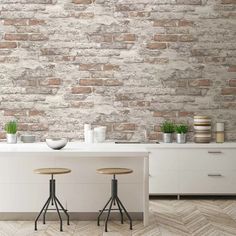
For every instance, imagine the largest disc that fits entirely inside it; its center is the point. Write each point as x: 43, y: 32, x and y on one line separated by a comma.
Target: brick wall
x: 125, y: 64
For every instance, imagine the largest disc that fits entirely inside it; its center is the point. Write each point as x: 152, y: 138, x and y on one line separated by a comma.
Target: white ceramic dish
x: 26, y: 138
x: 56, y: 144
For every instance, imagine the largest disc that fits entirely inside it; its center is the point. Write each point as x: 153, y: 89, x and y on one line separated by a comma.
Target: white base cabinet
x: 192, y: 169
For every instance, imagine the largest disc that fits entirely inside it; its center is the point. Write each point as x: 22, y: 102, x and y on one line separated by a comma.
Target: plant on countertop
x: 181, y: 129
x: 168, y: 127
x: 11, y: 127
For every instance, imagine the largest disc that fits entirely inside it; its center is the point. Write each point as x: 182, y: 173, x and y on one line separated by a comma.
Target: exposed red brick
x: 185, y: 114
x: 85, y: 105
x: 189, y: 2
x: 86, y: 67
x: 154, y: 60
x: 200, y: 82
x: 82, y: 1
x: 81, y: 90
x: 54, y: 81
x: 37, y: 37
x: 125, y: 37
x: 154, y: 136
x: 139, y: 14
x: 16, y: 37
x: 22, y: 127
x: 228, y: 91
x: 165, y: 23
x: 232, y: 68
x: 124, y: 127
x: 157, y: 128
x: 166, y: 37
x: 36, y: 22
x: 164, y: 114
x: 112, y: 82
x: 91, y: 82
x: 186, y: 38
x: 8, y: 45
x: 37, y: 127
x: 110, y: 67
x: 185, y: 22
x: 232, y: 83
x: 154, y: 46
x: 2, y: 135
x: 15, y: 112
x: 16, y: 22
x: 228, y: 1
x: 36, y: 113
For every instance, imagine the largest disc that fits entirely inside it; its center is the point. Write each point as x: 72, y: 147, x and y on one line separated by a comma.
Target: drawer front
x: 207, y: 182
x: 163, y: 159
x: 165, y: 182
x: 207, y: 159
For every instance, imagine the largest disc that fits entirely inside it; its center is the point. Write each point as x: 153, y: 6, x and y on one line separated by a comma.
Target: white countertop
x: 80, y: 147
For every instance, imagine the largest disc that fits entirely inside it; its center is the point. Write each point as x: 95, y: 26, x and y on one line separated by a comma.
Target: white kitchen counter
x: 83, y: 191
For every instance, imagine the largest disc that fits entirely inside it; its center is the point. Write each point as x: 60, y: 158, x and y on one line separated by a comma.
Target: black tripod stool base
x: 53, y: 201
x: 114, y: 201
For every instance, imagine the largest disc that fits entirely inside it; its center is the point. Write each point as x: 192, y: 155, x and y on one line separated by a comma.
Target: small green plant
x: 181, y: 129
x: 168, y: 127
x: 11, y: 127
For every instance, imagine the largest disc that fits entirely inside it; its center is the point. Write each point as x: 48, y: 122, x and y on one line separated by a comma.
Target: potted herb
x: 181, y: 131
x: 11, y: 129
x: 168, y: 128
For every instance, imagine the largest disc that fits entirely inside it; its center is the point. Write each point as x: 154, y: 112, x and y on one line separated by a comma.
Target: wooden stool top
x: 114, y: 171
x: 52, y: 171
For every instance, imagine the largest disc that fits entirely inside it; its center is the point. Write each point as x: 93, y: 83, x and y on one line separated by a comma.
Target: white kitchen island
x: 83, y: 191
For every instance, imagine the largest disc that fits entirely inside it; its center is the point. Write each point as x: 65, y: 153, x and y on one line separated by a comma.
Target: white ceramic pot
x: 11, y: 138
x: 181, y: 138
x: 100, y: 134
x: 167, y: 137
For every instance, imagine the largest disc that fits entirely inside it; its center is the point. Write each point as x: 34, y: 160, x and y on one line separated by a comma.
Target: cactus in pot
x: 11, y: 129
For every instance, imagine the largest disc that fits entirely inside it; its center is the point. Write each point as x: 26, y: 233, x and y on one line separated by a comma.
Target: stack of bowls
x: 202, y: 128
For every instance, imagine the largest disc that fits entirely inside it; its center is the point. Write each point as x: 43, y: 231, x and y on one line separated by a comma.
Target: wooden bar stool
x: 52, y: 194
x: 114, y: 199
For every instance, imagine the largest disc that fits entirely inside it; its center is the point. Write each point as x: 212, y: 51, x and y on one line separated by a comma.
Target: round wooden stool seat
x: 114, y: 171
x: 52, y: 171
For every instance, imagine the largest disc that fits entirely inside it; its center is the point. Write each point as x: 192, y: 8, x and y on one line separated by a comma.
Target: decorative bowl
x: 56, y: 144
x: 27, y: 138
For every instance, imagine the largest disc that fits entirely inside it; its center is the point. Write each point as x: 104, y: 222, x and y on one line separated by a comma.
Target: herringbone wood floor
x: 167, y: 218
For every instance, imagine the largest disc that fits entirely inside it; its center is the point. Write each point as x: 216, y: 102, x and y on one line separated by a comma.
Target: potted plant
x: 11, y: 129
x: 168, y: 128
x: 181, y: 131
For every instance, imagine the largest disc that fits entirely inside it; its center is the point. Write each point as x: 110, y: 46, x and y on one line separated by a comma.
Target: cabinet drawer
x: 165, y: 182
x: 207, y: 182
x: 208, y: 159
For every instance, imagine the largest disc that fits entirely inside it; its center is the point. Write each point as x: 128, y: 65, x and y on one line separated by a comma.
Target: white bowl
x: 56, y: 144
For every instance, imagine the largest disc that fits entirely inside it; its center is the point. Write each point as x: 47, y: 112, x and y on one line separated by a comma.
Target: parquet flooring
x: 167, y: 218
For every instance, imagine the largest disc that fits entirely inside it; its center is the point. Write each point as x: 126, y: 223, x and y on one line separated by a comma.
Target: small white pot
x: 181, y: 138
x: 167, y: 137
x: 11, y: 138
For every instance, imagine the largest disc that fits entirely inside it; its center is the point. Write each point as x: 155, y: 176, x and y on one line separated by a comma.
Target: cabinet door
x: 163, y: 169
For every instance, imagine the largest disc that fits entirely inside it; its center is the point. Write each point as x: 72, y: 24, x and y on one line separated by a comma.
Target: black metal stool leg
x: 58, y: 212
x: 127, y: 214
x: 45, y: 211
x: 65, y: 211
x: 35, y: 223
x: 108, y: 214
x: 98, y: 219
x: 121, y: 213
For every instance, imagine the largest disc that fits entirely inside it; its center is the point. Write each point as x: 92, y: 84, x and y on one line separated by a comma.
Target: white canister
x: 87, y: 129
x: 220, y: 127
x: 89, y: 136
x: 100, y: 134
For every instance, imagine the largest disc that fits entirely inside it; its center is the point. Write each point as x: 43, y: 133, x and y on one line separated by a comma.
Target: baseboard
x: 82, y: 216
